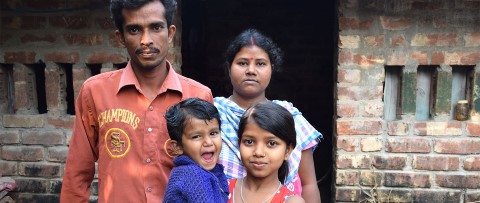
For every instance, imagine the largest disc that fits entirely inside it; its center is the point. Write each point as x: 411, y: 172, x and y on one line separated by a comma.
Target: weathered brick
x: 458, y: 181
x: 472, y: 39
x: 395, y: 23
x: 357, y: 93
x: 349, y: 75
x: 25, y: 89
x: 407, y: 180
x: 398, y: 41
x: 426, y: 5
x: 437, y: 58
x: 463, y: 146
x: 450, y: 128
x: 371, y: 144
x: 9, y: 137
x: 69, y: 22
x: 347, y: 144
x: 351, y: 23
x: 57, y: 154
x: 427, y: 196
x: 53, y: 4
x: 105, y: 23
x: 347, y: 194
x: 62, y: 57
x: 473, y: 128
x: 9, y: 168
x: 23, y: 153
x: 421, y: 57
x: 83, y: 39
x: 31, y: 185
x: 347, y: 178
x: 55, y: 86
x: 389, y: 162
x: 105, y: 57
x: 472, y: 163
x: 347, y: 109
x: 396, y: 59
x: 394, y: 195
x: 462, y: 58
x: 27, y: 57
x: 373, y: 109
x: 364, y: 61
x: 64, y: 122
x: 375, y: 41
x: 449, y: 39
x: 44, y: 137
x: 369, y: 178
x: 436, y: 163
x: 397, y: 128
x: 401, y: 145
x: 22, y: 121
x: 26, y: 197
x: 359, y: 127
x: 55, y: 186
x: 353, y: 161
x: 48, y: 170
x: 472, y: 196
x: 46, y: 38
x: 349, y: 41
x: 17, y: 22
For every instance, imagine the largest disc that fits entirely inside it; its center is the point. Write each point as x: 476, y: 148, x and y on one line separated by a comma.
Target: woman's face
x: 250, y: 72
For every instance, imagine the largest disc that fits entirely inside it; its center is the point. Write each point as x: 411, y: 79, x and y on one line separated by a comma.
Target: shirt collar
x: 171, y: 82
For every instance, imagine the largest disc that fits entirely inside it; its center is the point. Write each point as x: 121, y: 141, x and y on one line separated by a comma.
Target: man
x: 120, y: 119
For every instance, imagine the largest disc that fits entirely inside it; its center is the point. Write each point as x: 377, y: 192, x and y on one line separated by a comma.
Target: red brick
x: 369, y: 178
x: 104, y: 57
x: 48, y: 170
x: 455, y: 146
x: 347, y: 194
x: 426, y: 196
x: 18, y: 22
x: 395, y: 23
x: 9, y: 137
x: 347, y: 178
x: 347, y: 109
x: 349, y: 41
x: 371, y: 144
x: 407, y: 180
x: 69, y: 22
x: 360, y: 127
x: 389, y: 162
x: 375, y: 41
x: 438, y: 58
x: 358, y: 93
x: 434, y: 40
x: 348, y: 23
x: 57, y: 154
x: 472, y: 39
x: 397, y: 59
x: 398, y: 41
x: 393, y: 195
x: 450, y: 128
x: 44, y: 137
x: 62, y: 57
x: 397, y: 128
x: 9, y: 168
x: 347, y: 144
x: 23, y: 153
x: 22, y: 121
x: 473, y: 129
x: 373, y: 109
x: 472, y: 163
x: 353, y: 161
x: 349, y: 76
x: 83, y: 39
x: 63, y: 122
x: 458, y: 181
x: 421, y: 57
x: 27, y: 38
x: 27, y: 57
x: 402, y: 145
x: 436, y: 163
x: 462, y: 58
x: 105, y: 23
x: 470, y: 58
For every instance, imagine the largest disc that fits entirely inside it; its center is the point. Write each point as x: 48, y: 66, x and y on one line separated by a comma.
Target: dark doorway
x: 307, y: 33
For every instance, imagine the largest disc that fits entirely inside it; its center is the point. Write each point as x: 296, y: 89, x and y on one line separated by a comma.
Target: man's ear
x: 171, y: 33
x: 177, y: 148
x: 120, y: 37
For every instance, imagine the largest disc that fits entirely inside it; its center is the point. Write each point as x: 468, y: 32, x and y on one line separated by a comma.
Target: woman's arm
x: 306, y: 171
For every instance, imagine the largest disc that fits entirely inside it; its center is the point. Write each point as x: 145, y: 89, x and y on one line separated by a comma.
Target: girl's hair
x: 179, y: 114
x: 274, y: 119
x: 253, y: 37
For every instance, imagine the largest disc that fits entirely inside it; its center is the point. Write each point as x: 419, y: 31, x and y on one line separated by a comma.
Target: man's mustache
x: 150, y: 48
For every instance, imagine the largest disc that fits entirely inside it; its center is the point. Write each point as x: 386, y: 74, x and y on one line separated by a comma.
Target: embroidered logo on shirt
x: 117, y: 142
x: 119, y: 115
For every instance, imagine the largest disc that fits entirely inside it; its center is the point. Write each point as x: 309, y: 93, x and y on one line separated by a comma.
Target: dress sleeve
x: 82, y: 153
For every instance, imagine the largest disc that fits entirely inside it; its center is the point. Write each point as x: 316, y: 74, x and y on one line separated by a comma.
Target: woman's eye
x: 242, y: 63
x: 195, y: 136
x: 272, y: 143
x: 214, y: 133
x: 261, y: 64
x: 248, y: 142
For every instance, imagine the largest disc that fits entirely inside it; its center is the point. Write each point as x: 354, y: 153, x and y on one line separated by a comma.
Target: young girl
x: 266, y: 136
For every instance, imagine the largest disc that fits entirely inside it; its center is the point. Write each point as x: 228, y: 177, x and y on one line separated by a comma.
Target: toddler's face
x: 201, y: 141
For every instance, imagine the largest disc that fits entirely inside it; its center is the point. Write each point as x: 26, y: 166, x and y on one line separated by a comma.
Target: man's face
x: 146, y: 35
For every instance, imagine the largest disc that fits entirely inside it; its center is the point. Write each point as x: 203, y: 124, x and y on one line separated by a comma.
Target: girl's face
x: 262, y: 152
x: 250, y: 72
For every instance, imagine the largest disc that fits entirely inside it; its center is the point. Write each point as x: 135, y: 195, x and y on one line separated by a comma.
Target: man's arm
x: 306, y: 171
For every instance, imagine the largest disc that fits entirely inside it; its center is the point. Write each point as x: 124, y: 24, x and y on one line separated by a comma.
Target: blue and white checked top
x: 230, y: 114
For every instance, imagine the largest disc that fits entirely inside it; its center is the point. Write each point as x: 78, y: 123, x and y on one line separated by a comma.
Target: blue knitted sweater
x: 189, y: 182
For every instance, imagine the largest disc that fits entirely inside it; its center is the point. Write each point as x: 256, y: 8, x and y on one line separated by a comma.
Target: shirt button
x: 150, y: 108
x: 149, y: 189
x: 148, y: 160
x: 149, y: 130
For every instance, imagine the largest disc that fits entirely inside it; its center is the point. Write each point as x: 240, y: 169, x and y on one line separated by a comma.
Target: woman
x: 251, y: 59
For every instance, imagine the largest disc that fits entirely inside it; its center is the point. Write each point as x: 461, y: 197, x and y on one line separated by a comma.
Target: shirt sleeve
x: 82, y: 153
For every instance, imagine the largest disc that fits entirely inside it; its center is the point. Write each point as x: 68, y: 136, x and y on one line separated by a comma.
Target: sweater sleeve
x: 189, y: 184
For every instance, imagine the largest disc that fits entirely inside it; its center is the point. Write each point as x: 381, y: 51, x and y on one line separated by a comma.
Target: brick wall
x: 405, y: 159
x: 47, y: 51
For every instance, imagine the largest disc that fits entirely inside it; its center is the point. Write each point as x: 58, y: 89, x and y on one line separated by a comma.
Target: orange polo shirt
x: 125, y: 133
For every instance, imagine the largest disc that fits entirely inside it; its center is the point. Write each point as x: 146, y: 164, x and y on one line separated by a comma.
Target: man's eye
x: 157, y: 27
x: 133, y: 30
x: 214, y: 133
